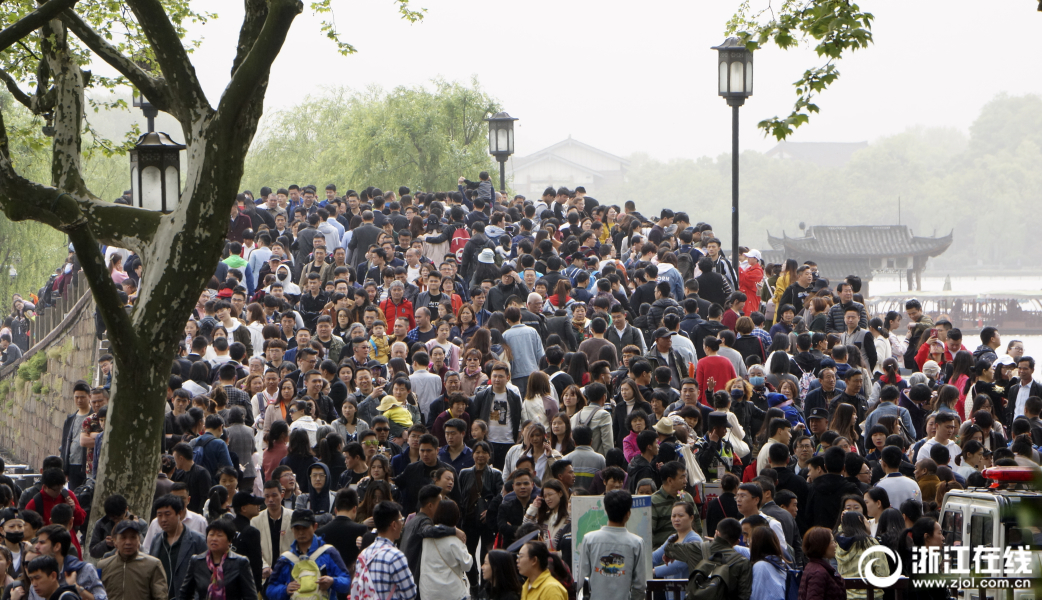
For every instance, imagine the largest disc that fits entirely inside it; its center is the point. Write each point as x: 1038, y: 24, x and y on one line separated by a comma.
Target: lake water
x: 968, y: 284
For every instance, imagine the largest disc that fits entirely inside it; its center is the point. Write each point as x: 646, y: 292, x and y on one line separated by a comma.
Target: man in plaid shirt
x: 236, y: 397
x: 382, y: 564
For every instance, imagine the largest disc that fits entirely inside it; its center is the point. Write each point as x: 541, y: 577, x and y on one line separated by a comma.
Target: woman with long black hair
x: 499, y: 577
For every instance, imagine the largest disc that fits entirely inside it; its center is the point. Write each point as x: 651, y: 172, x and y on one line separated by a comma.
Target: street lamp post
x: 736, y: 84
x: 501, y: 142
x: 155, y: 165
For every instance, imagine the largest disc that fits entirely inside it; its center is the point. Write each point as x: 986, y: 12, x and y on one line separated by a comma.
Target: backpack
x: 711, y: 578
x: 685, y: 265
x: 38, y: 499
x: 306, y: 572
x: 362, y: 587
x: 459, y: 240
x: 806, y: 380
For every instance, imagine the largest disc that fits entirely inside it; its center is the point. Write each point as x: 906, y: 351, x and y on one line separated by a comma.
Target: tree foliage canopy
x: 835, y: 26
x: 424, y: 137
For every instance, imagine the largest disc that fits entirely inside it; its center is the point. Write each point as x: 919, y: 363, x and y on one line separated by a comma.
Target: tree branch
x: 155, y: 89
x: 257, y: 63
x: 112, y: 224
x: 12, y: 86
x: 32, y: 21
x: 252, y: 23
x: 171, y: 55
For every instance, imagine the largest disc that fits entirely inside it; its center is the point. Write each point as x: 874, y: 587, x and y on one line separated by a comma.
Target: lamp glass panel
x: 502, y: 141
x: 135, y: 190
x: 723, y: 76
x: 749, y: 77
x: 491, y: 138
x: 737, y: 78
x: 510, y: 140
x: 173, y: 187
x: 152, y: 188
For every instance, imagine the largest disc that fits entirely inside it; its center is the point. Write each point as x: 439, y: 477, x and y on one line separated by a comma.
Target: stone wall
x: 36, y: 391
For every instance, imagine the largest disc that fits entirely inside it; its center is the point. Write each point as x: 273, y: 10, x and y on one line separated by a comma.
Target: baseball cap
x: 241, y: 499
x: 303, y: 518
x: 124, y: 525
x: 662, y: 332
x: 1005, y: 359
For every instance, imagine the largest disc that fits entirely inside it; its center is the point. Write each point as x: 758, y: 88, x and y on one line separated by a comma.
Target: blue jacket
x: 330, y: 563
x: 211, y: 453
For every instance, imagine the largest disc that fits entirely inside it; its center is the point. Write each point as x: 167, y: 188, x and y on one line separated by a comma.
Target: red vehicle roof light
x: 1010, y: 474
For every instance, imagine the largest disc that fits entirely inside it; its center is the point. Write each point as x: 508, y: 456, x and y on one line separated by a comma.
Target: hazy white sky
x: 628, y: 77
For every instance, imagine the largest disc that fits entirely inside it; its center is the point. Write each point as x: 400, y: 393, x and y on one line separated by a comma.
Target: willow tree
x: 44, y: 50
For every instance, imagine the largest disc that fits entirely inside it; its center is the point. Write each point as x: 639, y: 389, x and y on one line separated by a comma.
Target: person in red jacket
x: 950, y: 338
x: 750, y: 277
x: 714, y: 369
x: 52, y: 492
x: 397, y: 306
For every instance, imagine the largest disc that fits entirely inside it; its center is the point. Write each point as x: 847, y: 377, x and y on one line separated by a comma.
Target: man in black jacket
x: 511, y: 512
x: 478, y: 242
x: 691, y: 289
x: 362, y: 238
x: 72, y: 454
x: 834, y: 323
x: 708, y: 328
x: 798, y: 292
x: 342, y: 532
x: 824, y: 500
x: 194, y: 475
x: 640, y: 467
x: 787, y: 478
x: 711, y: 285
x: 501, y: 409
x: 248, y: 541
x: 645, y: 292
x: 421, y: 473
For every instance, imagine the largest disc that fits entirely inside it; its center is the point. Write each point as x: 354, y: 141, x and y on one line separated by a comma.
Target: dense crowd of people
x: 382, y: 393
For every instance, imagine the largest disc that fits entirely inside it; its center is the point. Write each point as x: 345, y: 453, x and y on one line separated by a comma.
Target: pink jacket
x: 629, y: 446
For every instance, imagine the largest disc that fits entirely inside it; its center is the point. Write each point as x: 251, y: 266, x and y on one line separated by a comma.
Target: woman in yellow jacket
x: 533, y: 560
x: 785, y: 278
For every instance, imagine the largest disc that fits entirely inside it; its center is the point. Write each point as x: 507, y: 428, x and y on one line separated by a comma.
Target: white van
x: 990, y: 517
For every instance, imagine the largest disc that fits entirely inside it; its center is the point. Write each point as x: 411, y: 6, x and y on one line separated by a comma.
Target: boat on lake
x: 1012, y: 312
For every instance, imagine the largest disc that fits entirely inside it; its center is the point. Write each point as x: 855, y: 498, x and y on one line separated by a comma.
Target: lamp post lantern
x: 735, y: 68
x: 155, y: 172
x: 501, y: 142
x: 155, y: 164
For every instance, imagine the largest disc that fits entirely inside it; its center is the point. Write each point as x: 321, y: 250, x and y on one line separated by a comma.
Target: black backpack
x: 711, y: 579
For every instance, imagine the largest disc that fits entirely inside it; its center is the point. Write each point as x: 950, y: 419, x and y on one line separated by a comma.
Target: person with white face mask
x: 284, y: 276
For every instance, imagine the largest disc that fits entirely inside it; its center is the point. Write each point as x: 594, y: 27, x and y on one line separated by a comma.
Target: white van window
x: 951, y: 526
x: 981, y: 530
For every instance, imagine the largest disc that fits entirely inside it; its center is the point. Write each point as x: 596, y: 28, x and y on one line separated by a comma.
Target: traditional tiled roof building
x: 863, y: 250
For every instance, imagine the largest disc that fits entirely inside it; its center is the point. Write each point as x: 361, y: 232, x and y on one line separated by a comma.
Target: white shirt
x: 1022, y: 397
x: 427, y: 387
x: 192, y: 521
x: 953, y: 451
x: 499, y: 428
x: 900, y: 488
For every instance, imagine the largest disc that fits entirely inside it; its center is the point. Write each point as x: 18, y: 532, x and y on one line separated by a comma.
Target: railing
x: 49, y: 318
